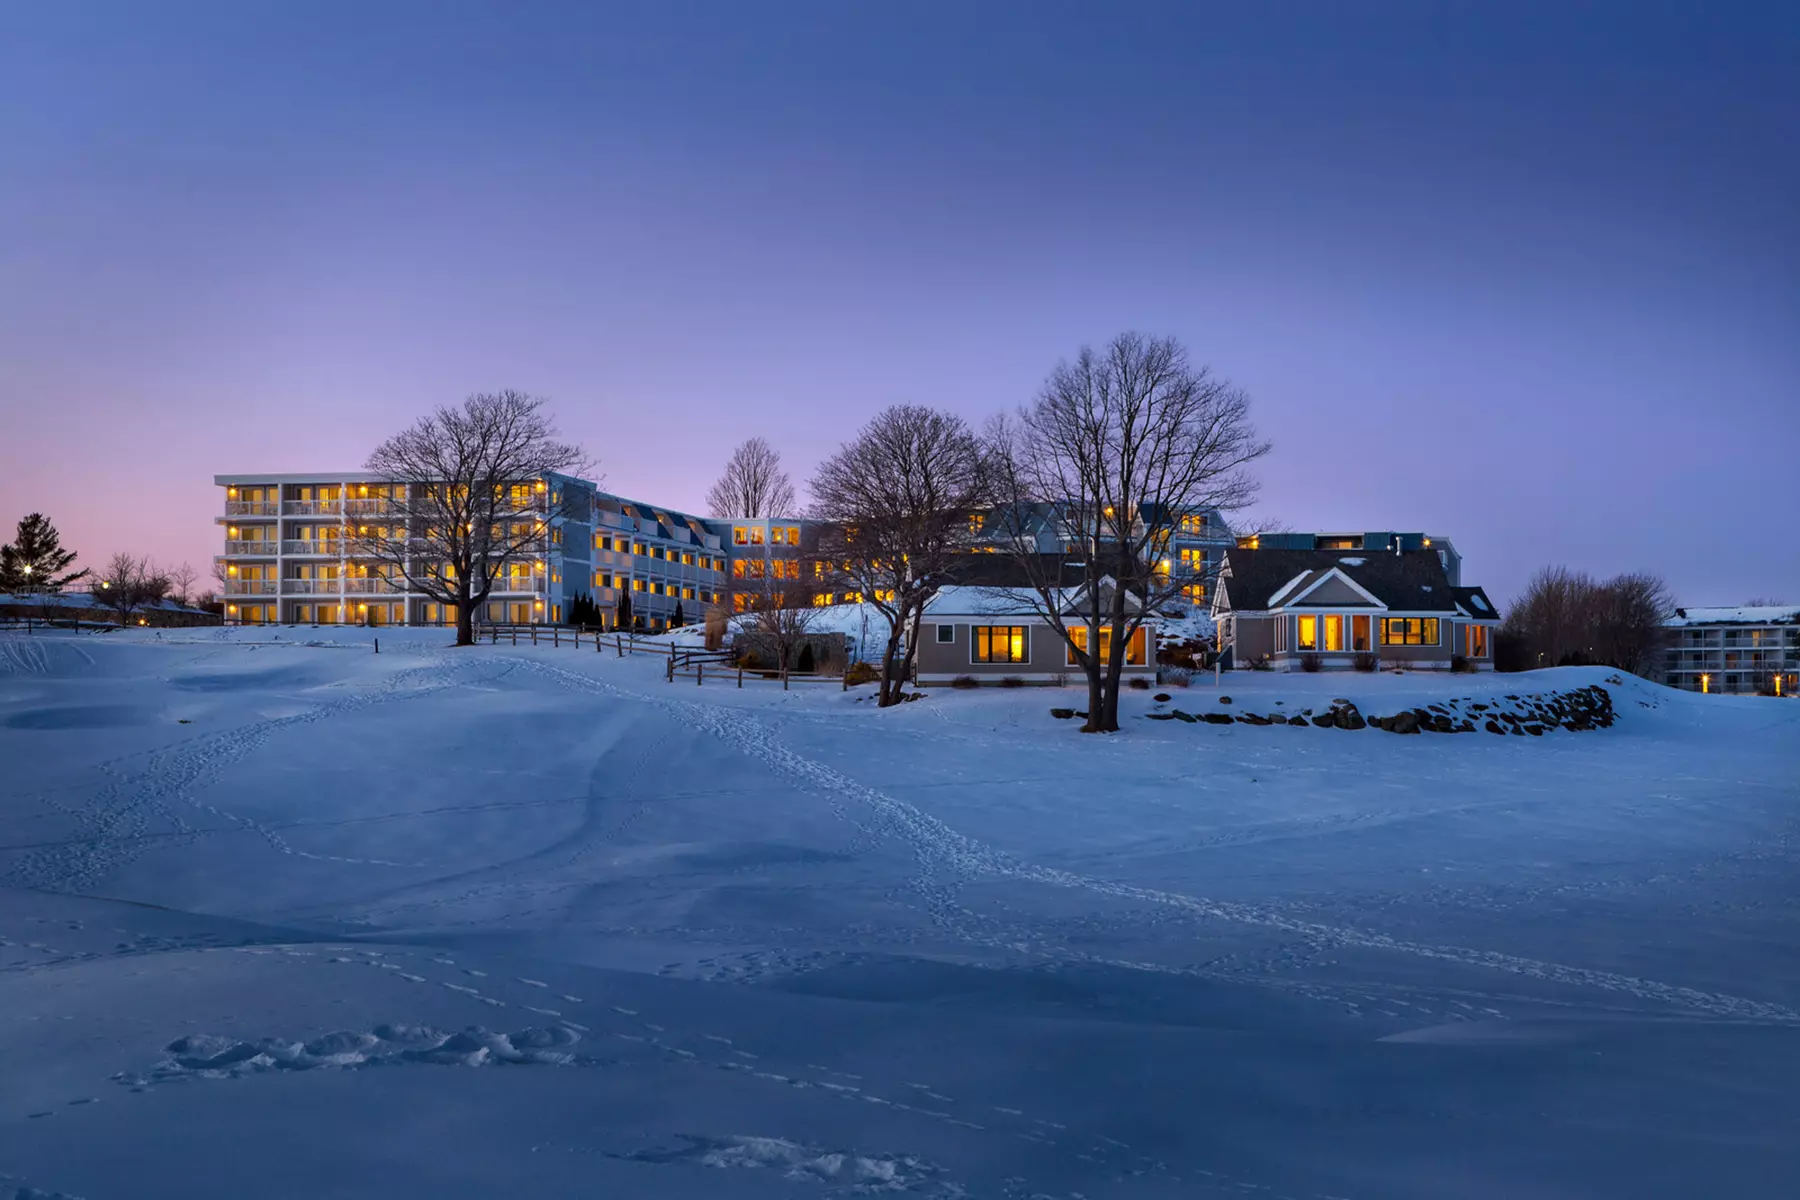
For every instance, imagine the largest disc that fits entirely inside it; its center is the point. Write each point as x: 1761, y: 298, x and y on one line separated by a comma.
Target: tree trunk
x: 465, y: 620
x: 890, y: 687
x: 1096, y: 706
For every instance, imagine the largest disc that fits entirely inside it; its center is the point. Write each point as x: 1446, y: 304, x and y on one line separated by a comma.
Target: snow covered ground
x: 302, y: 920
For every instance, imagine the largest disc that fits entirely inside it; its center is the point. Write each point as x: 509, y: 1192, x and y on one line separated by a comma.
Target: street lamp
x: 1705, y: 683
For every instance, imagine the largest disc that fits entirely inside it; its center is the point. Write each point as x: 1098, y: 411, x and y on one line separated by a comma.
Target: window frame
x: 943, y: 629
x: 1428, y: 633
x: 982, y: 642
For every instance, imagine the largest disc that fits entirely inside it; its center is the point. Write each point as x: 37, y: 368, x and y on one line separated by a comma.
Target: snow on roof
x: 1747, y: 614
x: 1281, y: 593
x: 966, y: 601
x: 1478, y: 604
x: 1352, y: 562
x: 82, y: 600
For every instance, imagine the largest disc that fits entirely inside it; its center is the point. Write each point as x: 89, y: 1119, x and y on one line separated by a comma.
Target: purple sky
x: 1528, y: 278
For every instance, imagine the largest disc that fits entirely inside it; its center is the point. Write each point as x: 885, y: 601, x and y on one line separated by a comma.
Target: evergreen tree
x: 35, y: 558
x: 622, y: 616
x: 677, y: 621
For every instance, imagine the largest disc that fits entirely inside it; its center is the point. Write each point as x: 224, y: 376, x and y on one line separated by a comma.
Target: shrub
x: 965, y: 681
x: 805, y: 664
x: 1459, y: 665
x: 1177, y: 676
x: 1366, y: 662
x: 1139, y: 683
x: 861, y: 673
x: 748, y: 660
x: 1162, y: 697
x: 1060, y: 679
x: 1261, y: 664
x: 1014, y: 681
x: 1310, y: 663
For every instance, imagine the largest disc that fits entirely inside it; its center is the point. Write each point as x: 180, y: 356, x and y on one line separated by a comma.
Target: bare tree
x: 471, y: 492
x: 1567, y: 618
x: 128, y: 584
x: 780, y: 611
x: 1117, y: 446
x: 1765, y: 602
x: 752, y: 484
x: 897, y: 499
x: 181, y: 582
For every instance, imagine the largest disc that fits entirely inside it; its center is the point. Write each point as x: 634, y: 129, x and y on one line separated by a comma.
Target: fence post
x: 555, y: 636
x: 670, y: 671
x: 699, y: 671
x: 619, y: 644
x: 515, y: 634
x: 740, y: 676
x: 784, y: 686
x: 599, y: 646
x: 378, y: 645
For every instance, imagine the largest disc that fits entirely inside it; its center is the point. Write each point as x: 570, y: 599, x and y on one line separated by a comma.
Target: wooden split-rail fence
x: 681, y: 663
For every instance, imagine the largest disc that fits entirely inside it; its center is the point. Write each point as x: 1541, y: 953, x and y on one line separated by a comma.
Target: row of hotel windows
x: 1335, y: 632
x: 1012, y: 643
x: 687, y: 558
x: 752, y: 535
x: 606, y: 579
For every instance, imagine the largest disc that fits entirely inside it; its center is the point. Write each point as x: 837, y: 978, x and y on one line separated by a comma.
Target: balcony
x: 310, y: 587
x: 369, y: 585
x: 515, y: 584
x: 325, y: 548
x: 259, y: 548
x: 374, y: 507
x: 250, y: 587
x: 252, y: 508
x: 312, y: 508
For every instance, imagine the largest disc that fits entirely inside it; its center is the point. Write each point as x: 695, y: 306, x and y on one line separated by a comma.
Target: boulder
x: 1218, y: 719
x: 1253, y: 719
x: 1326, y: 720
x: 1278, y: 718
x: 1182, y: 716
x: 1496, y: 727
x: 1224, y: 699
x: 1062, y: 714
x: 1403, y: 722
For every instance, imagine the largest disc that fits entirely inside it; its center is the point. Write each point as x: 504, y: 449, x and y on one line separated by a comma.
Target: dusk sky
x: 1528, y: 278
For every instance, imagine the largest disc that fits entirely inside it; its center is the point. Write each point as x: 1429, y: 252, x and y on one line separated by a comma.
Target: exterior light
x: 231, y: 492
x: 231, y: 531
x: 362, y: 608
x: 142, y: 621
x: 231, y: 608
x: 1705, y: 683
x: 1428, y: 541
x: 541, y: 485
x: 28, y: 568
x: 231, y: 570
x: 365, y: 489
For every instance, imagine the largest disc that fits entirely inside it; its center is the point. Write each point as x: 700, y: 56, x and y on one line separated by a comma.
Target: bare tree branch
x: 752, y: 485
x: 1102, y: 466
x: 467, y: 493
x: 897, y: 499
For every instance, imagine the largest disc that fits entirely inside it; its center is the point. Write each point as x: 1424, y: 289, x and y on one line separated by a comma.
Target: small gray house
x: 1400, y: 606
x: 989, y: 634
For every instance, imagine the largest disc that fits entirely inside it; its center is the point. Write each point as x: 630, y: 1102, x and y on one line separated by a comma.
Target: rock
x: 1253, y: 719
x: 1218, y: 719
x: 1062, y: 714
x: 1224, y: 699
x: 1159, y: 716
x: 1403, y: 722
x: 1496, y: 727
x: 1326, y: 720
x: 1162, y: 697
x: 1182, y: 716
x: 1535, y: 730
x: 1278, y: 718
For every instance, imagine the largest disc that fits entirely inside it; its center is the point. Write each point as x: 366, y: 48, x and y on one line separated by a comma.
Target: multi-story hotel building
x: 1734, y: 650
x: 291, y: 555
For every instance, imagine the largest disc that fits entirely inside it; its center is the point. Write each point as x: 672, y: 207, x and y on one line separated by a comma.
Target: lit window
x: 1409, y: 631
x: 1134, y: 649
x: 793, y: 535
x: 996, y: 643
x: 687, y: 593
x: 1478, y: 641
x: 687, y: 560
x: 1334, y: 632
x: 778, y: 535
x: 740, y: 535
x: 756, y: 535
x: 1309, y: 633
x: 1359, y: 633
x: 739, y: 568
x: 1194, y: 593
x: 637, y: 585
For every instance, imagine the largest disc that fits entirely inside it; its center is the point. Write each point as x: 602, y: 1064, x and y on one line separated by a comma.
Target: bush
x: 1162, y: 697
x: 1138, y: 683
x: 1311, y: 663
x: 1177, y: 676
x: 1367, y: 663
x: 749, y: 661
x: 805, y: 664
x: 965, y: 682
x: 861, y: 673
x: 1459, y: 665
x: 1261, y: 664
x: 1014, y: 681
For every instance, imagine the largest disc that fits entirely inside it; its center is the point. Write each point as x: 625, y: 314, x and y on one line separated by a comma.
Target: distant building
x: 1745, y: 650
x: 1399, y: 607
x: 1387, y: 540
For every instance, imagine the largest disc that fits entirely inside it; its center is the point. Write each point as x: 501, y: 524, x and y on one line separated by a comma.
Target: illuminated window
x: 740, y: 535
x: 1194, y: 594
x: 1193, y: 523
x: 1477, y: 641
x: 738, y: 568
x: 637, y: 585
x: 740, y: 602
x: 1334, y: 632
x: 793, y: 535
x: 756, y: 535
x: 1409, y: 631
x: 1192, y: 560
x: 1134, y: 650
x: 637, y: 547
x: 687, y: 593
x: 1308, y: 637
x: 687, y: 559
x: 997, y: 643
x: 778, y: 535
x: 1359, y: 633
x: 1341, y: 543
x: 976, y: 522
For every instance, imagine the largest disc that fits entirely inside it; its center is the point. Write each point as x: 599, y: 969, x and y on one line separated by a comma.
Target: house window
x: 1334, y: 632
x: 1134, y: 650
x: 740, y: 536
x: 687, y: 560
x: 756, y: 535
x: 1308, y: 633
x: 946, y: 634
x: 1192, y: 560
x: 687, y: 593
x: 1409, y: 631
x: 739, y: 568
x: 1359, y: 634
x: 778, y: 535
x: 1477, y: 641
x: 997, y: 643
x: 793, y: 535
x: 1194, y: 594
x: 637, y: 547
x: 637, y: 585
x: 1193, y: 523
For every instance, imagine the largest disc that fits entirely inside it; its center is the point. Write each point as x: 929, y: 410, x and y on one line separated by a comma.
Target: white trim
x: 946, y: 627
x: 1275, y: 600
x: 1009, y: 662
x: 1356, y: 587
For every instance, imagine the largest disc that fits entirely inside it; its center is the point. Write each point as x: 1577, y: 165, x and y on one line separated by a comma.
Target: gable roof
x: 1475, y: 602
x: 1411, y: 581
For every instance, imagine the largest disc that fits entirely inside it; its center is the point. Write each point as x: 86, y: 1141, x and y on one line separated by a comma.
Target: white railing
x: 310, y: 587
x: 324, y: 546
x: 250, y: 587
x: 252, y: 508
x: 312, y: 508
x: 370, y: 585
x: 519, y: 583
x: 374, y: 507
x: 260, y: 547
